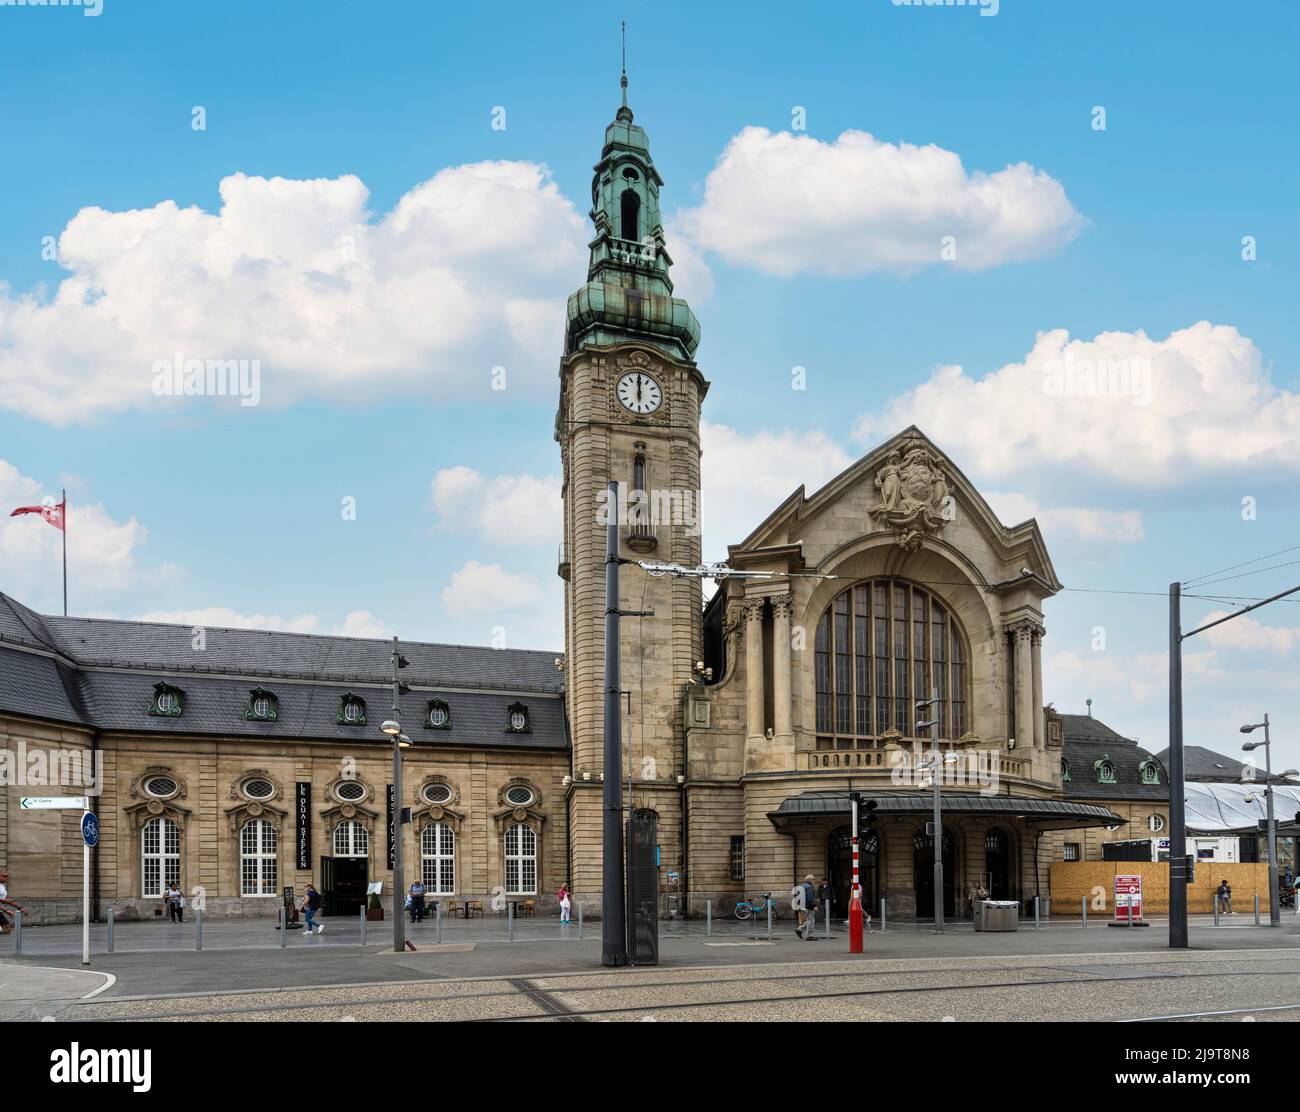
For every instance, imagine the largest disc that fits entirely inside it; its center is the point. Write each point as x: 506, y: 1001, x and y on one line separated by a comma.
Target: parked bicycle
x: 756, y: 908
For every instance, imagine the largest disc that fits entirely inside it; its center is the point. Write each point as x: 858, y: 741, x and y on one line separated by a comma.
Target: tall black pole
x: 63, y: 522
x: 1177, y: 803
x: 399, y: 880
x: 613, y: 930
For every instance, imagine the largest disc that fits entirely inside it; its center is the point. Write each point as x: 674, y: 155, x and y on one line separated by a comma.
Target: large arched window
x: 351, y: 839
x: 882, y: 646
x: 521, y: 860
x: 160, y: 856
x: 438, y: 858
x: 257, y: 858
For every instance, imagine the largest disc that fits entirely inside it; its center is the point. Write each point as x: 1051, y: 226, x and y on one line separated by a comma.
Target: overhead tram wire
x: 1243, y: 574
x: 1197, y: 581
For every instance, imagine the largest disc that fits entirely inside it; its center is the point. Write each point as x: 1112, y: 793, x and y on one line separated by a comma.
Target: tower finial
x: 623, y: 80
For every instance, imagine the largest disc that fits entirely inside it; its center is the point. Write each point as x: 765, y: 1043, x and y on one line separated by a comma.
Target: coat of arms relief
x: 914, y: 495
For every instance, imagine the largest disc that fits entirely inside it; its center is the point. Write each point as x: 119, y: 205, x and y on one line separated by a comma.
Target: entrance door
x: 343, y: 884
x: 997, y: 864
x: 923, y: 874
x: 839, y: 868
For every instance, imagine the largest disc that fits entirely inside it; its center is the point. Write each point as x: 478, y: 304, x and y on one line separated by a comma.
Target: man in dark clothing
x: 826, y: 896
x: 311, y: 904
x: 1224, y: 896
x: 810, y: 907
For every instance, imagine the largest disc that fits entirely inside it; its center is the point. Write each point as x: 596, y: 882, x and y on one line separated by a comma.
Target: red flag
x: 52, y: 513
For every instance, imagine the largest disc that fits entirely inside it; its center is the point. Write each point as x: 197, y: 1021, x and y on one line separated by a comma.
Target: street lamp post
x: 393, y: 728
x: 1274, y: 907
x: 935, y: 768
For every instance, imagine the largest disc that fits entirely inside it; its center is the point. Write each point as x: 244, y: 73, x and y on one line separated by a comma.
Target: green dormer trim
x: 1149, y: 772
x: 1105, y: 769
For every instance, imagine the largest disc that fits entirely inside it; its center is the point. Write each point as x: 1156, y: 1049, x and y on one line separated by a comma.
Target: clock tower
x: 629, y: 411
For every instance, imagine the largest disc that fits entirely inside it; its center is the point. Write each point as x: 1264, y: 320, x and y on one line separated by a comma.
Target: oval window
x: 437, y: 793
x: 166, y: 702
x: 438, y: 716
x: 162, y: 787
x: 262, y: 706
x: 352, y: 712
x: 518, y: 720
x: 349, y: 791
x: 259, y: 789
x: 519, y: 797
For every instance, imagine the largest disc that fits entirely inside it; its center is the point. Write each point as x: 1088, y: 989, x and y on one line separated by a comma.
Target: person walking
x: 417, y: 900
x: 175, y: 903
x: 311, y: 905
x: 6, y: 926
x: 1224, y: 896
x: 803, y: 898
x: 826, y: 896
x: 565, y: 905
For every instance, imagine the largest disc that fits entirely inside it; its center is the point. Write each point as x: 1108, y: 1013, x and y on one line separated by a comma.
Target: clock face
x: 639, y: 393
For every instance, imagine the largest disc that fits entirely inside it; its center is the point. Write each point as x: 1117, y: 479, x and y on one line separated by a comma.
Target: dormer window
x: 168, y: 701
x: 439, y: 716
x: 352, y: 710
x: 1065, y: 772
x: 1105, y: 771
x: 517, y: 719
x: 262, y: 706
x: 1149, y: 772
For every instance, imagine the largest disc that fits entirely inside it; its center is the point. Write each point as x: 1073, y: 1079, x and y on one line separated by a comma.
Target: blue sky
x: 188, y: 505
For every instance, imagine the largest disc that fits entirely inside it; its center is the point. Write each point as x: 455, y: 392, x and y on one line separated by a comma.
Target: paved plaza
x: 546, y: 972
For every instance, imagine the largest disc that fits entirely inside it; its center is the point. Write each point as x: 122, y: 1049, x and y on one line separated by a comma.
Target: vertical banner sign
x: 1128, y: 899
x: 304, y: 824
x: 390, y: 825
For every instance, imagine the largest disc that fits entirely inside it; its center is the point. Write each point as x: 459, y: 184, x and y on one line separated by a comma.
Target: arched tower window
x: 880, y: 647
x: 631, y: 215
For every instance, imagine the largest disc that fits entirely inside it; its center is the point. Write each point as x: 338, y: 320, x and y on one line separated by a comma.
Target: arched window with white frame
x: 438, y: 859
x: 160, y: 856
x: 351, y: 839
x: 258, y: 860
x: 521, y: 860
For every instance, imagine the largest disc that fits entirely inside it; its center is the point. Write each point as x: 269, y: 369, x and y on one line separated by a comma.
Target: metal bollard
x: 1036, y: 922
x: 110, y: 930
x: 362, y: 913
x: 284, y: 929
x: 579, y: 920
x: 18, y: 932
x: 1256, y: 909
x: 510, y: 922
x: 1084, y: 901
x: 1216, y: 909
x: 437, y: 915
x: 828, y: 918
x: 198, y: 929
x: 708, y: 918
x: 769, y: 920
x: 882, y: 914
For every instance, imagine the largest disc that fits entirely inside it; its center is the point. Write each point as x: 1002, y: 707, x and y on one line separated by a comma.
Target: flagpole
x: 65, y: 551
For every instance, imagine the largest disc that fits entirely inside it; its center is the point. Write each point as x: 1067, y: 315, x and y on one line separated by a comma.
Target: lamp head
x: 391, y: 728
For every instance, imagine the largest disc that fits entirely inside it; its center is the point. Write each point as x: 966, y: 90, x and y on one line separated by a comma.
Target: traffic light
x: 870, y: 806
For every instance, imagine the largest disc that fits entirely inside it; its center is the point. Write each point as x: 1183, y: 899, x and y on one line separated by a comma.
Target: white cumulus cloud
x: 478, y: 588
x: 468, y: 271
x: 102, y: 551
x: 1076, y: 522
x: 790, y: 204
x: 504, y: 509
x: 1122, y: 406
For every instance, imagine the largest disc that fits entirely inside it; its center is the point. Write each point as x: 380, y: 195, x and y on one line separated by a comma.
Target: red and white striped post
x: 855, y: 893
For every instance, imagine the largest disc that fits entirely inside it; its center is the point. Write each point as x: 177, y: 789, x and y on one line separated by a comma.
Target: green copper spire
x: 629, y: 295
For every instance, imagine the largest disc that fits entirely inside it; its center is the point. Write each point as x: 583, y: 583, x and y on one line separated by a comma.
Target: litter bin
x: 997, y: 915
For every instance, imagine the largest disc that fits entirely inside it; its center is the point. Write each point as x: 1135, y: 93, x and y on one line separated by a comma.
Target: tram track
x: 546, y: 995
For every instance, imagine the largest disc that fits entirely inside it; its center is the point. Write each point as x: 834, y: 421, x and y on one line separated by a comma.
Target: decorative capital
x: 753, y: 609
x: 782, y: 605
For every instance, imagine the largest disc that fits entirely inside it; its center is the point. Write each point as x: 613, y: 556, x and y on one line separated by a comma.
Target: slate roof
x: 1086, y: 740
x: 1207, y: 766
x: 101, y: 673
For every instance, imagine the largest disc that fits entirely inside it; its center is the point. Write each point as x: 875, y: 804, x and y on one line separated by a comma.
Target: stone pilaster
x: 782, y: 708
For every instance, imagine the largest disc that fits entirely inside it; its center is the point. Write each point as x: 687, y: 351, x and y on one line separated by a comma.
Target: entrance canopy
x: 1044, y: 814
